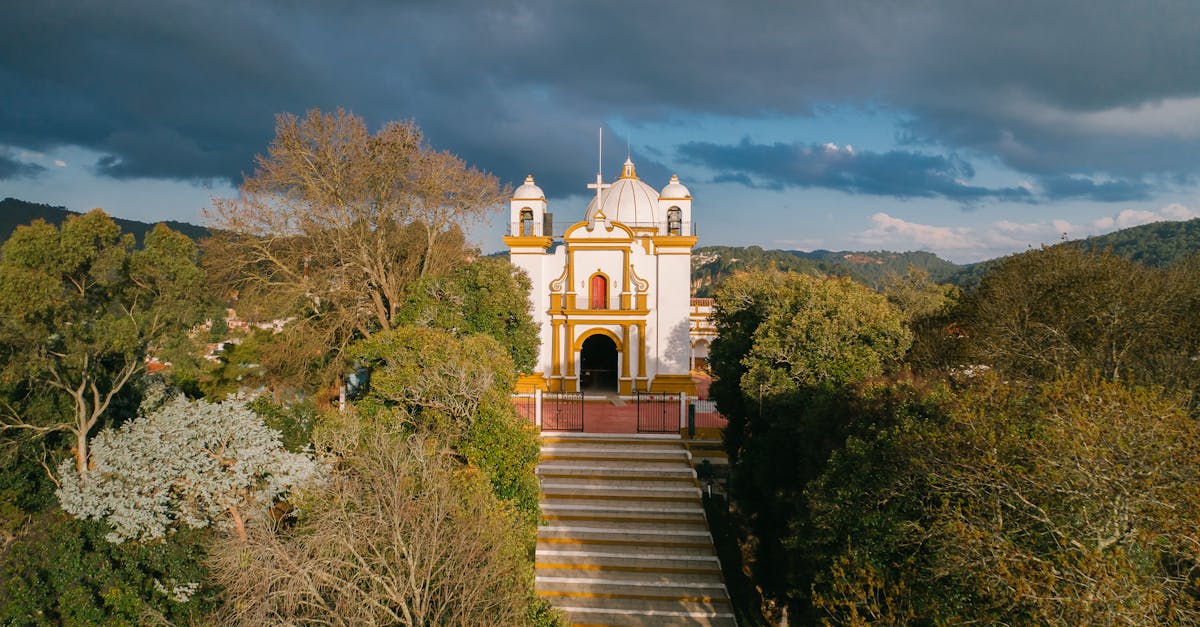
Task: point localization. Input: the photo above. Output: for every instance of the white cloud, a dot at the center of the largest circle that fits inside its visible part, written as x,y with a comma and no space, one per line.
60,163
887,232
1176,211
1002,237
1134,217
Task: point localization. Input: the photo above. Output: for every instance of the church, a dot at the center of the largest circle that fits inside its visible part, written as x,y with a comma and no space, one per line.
612,295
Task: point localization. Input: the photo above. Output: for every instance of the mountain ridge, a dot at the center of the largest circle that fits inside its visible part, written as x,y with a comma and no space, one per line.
15,212
1155,244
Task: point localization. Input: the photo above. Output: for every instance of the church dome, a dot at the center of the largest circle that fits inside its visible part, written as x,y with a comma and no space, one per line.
675,190
629,201
529,191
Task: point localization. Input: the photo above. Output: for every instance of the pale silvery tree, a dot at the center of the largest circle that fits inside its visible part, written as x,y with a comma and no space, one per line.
188,463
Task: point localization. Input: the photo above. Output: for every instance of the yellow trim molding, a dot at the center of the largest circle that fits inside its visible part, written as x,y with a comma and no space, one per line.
527,241
673,383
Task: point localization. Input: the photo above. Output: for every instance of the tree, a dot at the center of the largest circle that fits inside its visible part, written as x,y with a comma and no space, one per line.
791,354
1076,504
336,222
780,334
63,572
401,535
485,296
190,463
1045,313
79,310
425,379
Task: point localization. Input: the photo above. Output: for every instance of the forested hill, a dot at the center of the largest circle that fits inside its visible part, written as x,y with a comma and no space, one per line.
711,264
1158,244
15,212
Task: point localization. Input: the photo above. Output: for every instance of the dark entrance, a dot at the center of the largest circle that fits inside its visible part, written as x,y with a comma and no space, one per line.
598,364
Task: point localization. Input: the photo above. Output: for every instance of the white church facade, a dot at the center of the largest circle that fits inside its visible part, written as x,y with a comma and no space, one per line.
611,297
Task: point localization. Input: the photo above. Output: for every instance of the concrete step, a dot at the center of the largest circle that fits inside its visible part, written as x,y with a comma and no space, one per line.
630,525
627,559
688,547
565,497
585,486
611,586
632,482
626,618
624,535
625,540
618,472
627,511
634,611
665,577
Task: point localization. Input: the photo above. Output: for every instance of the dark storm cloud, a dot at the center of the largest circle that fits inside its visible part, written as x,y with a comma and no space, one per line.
13,168
189,89
1067,187
896,173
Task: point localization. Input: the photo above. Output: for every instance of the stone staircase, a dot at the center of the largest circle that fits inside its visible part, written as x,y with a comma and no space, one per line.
625,540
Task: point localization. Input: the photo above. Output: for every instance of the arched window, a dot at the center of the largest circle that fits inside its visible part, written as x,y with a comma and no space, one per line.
527,222
674,221
598,295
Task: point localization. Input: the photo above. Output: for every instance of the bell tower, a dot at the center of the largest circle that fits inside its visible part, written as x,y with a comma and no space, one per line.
527,215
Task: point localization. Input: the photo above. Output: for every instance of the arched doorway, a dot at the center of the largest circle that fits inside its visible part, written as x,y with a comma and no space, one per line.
598,364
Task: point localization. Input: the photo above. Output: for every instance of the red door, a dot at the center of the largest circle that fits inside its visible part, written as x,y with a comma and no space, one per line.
599,293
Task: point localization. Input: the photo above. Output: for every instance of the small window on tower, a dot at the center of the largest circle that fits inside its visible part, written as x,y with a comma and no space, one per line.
674,221
527,222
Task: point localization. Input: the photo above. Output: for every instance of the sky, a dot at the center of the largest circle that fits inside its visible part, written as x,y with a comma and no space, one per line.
968,129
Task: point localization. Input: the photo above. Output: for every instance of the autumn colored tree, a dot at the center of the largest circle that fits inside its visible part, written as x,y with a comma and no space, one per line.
1048,312
80,309
335,224
401,535
1074,504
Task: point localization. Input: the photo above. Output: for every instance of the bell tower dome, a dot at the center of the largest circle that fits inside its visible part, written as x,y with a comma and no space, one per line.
527,211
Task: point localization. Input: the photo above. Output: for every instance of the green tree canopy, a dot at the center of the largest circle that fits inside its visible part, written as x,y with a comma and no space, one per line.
80,309
488,296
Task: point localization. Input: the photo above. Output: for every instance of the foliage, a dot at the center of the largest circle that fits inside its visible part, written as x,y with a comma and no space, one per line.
713,264
431,380
294,422
485,296
1075,505
79,309
917,295
401,534
1157,245
14,213
63,572
791,354
780,334
1048,312
191,463
336,223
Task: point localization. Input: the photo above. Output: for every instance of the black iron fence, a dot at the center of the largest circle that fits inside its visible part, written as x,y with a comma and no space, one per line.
562,411
657,413
707,416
